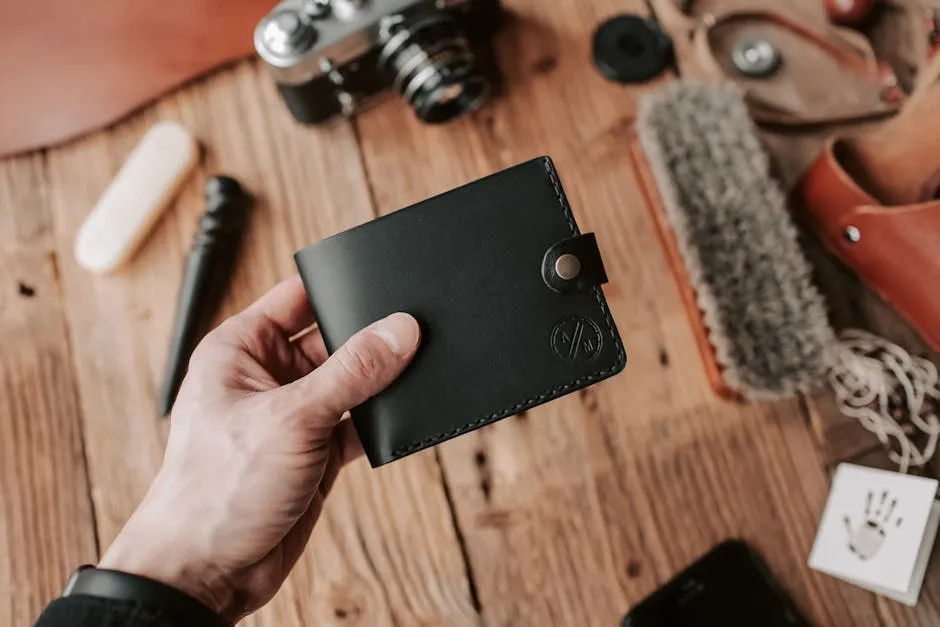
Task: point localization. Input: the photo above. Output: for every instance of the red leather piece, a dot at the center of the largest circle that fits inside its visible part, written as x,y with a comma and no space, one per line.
68,67
897,252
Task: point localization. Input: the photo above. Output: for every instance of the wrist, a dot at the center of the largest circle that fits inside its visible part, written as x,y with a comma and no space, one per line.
155,552
124,594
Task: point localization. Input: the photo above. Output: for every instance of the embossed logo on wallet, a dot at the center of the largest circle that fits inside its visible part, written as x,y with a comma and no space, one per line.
577,340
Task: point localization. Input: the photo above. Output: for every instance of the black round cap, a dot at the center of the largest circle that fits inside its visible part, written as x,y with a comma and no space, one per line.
631,49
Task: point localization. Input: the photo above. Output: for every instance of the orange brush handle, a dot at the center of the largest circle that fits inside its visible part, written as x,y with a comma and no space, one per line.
654,203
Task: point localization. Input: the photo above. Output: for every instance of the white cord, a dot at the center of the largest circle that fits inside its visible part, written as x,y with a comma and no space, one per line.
867,372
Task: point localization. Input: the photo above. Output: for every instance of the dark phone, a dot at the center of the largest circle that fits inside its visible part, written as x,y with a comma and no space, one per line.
728,587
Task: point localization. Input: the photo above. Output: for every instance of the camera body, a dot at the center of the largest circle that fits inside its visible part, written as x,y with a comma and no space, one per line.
335,57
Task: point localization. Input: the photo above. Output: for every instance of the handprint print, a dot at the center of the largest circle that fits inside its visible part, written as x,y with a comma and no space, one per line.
866,539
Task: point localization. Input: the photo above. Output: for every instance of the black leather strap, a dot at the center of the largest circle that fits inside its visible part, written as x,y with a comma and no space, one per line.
118,586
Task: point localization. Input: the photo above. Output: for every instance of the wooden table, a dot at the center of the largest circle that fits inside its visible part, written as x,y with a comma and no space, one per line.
565,515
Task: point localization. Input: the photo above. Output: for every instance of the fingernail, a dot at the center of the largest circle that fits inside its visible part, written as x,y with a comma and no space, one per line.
400,331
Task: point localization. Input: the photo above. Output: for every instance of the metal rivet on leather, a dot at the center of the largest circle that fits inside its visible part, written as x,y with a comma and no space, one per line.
852,234
756,57
568,267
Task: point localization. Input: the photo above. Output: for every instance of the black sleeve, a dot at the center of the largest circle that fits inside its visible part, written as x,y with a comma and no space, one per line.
87,611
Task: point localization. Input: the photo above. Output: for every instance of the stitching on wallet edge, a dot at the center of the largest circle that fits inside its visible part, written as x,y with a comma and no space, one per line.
554,392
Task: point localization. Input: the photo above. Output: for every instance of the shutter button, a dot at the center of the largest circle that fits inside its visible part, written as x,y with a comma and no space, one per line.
286,33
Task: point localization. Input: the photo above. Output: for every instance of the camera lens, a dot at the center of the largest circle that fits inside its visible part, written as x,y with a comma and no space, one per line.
434,67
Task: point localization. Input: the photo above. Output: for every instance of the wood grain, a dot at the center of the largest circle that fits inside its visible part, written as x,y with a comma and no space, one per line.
46,517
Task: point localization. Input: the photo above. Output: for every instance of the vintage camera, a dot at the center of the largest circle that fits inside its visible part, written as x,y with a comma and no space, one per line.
334,57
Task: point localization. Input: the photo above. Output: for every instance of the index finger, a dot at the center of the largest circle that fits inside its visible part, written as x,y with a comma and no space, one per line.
286,307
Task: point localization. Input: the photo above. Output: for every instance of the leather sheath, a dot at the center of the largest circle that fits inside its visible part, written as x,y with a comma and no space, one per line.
502,330
873,201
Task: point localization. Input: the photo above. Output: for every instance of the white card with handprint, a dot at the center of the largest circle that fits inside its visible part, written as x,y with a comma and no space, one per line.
877,530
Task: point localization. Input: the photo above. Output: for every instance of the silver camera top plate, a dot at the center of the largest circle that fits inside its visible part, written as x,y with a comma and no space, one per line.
302,39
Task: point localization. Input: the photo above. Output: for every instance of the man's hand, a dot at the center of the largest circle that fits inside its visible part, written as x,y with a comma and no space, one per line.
256,441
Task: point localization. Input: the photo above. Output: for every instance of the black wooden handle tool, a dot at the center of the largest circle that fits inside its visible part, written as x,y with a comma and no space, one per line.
209,267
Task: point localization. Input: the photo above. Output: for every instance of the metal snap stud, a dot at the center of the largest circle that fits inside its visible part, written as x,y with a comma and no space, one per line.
568,267
756,57
852,234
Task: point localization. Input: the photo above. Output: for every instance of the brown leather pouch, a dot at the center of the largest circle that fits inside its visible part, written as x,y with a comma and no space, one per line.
69,67
827,74
683,16
872,200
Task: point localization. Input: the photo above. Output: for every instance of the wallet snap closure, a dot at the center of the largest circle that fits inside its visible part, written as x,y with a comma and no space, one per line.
574,265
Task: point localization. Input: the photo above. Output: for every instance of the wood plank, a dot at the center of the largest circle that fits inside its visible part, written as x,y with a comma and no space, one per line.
577,509
386,551
46,516
24,214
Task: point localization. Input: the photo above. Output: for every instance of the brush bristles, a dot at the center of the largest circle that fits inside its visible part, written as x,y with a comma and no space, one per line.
767,321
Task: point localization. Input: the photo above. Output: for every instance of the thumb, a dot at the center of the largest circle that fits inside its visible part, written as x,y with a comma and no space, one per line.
364,366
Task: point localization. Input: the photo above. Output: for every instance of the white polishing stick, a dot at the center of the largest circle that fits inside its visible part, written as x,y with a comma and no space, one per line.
136,198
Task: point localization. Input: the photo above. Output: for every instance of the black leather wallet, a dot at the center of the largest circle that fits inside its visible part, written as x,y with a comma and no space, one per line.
507,292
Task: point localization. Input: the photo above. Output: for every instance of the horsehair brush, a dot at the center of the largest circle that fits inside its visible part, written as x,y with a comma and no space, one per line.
766,322
745,281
